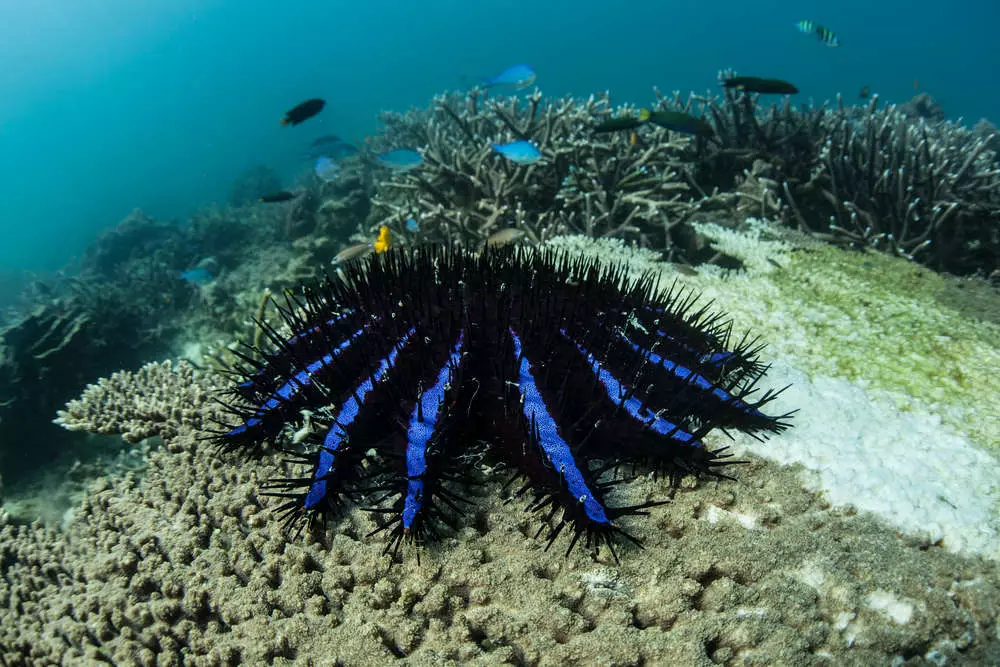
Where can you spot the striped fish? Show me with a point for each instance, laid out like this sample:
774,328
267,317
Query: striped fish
824,35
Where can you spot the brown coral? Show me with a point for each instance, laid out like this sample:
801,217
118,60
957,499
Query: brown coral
160,399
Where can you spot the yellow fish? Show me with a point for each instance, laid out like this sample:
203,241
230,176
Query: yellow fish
383,240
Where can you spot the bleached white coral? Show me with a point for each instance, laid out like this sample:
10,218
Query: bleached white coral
757,244
612,250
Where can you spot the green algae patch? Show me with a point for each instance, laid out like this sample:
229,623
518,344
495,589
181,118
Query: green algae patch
928,341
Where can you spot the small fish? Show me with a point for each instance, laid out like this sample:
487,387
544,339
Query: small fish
360,250
753,84
517,76
677,121
824,35
276,197
519,152
503,237
400,159
326,169
332,147
916,85
617,124
383,241
197,276
412,226
351,253
865,92
303,111
634,138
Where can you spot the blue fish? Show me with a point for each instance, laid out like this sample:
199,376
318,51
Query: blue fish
519,152
518,76
400,159
412,226
197,276
326,169
332,147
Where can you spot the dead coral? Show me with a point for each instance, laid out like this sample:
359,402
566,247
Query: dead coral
601,186
160,399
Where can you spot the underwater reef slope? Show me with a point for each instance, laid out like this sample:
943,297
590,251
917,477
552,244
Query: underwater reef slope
186,564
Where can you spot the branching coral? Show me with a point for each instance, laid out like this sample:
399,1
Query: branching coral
925,191
159,399
602,186
865,177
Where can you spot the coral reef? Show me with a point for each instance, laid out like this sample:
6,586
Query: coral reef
124,304
598,185
160,399
919,187
185,565
862,177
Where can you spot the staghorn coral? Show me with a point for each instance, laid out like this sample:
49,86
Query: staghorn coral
859,176
160,399
924,191
601,186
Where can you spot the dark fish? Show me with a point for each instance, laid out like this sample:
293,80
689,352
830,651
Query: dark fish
865,93
677,121
753,84
275,197
303,111
618,124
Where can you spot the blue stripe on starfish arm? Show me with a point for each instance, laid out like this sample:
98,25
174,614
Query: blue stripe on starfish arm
421,430
693,378
345,417
251,383
619,395
296,383
554,447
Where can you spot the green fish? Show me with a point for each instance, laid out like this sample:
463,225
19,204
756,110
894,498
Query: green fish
677,121
618,124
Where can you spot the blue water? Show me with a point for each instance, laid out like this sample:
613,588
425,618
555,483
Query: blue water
107,105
